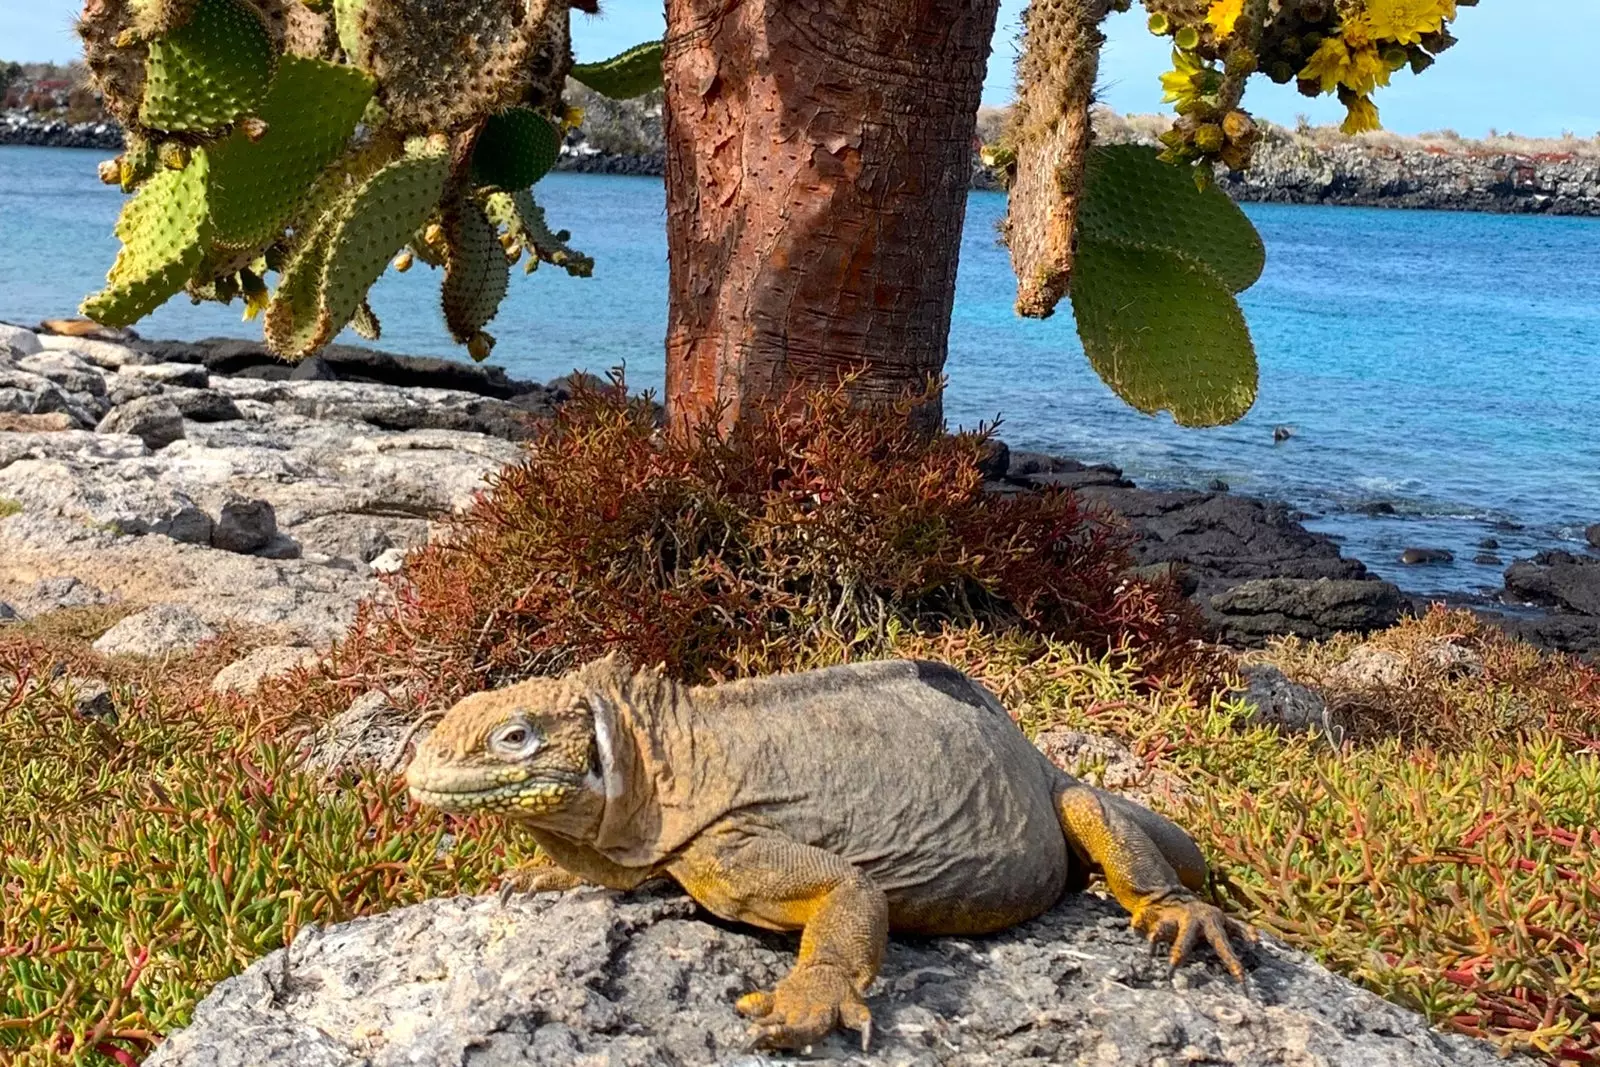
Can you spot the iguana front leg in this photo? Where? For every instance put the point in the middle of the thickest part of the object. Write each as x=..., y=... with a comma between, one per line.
x=765, y=879
x=1153, y=869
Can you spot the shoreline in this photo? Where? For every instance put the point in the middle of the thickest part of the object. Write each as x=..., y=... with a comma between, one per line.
x=1289, y=169
x=273, y=495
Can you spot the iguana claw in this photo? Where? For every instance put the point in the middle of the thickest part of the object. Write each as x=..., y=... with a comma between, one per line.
x=1185, y=921
x=805, y=1007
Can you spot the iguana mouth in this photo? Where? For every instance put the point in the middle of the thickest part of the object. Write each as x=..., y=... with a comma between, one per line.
x=476, y=794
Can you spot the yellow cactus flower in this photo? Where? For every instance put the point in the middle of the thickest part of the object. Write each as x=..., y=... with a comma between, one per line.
x=255, y=302
x=1405, y=21
x=1223, y=15
x=1336, y=63
x=1328, y=64
x=571, y=118
x=1361, y=115
x=1182, y=82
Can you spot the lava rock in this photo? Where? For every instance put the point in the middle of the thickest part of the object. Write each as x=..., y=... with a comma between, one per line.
x=642, y=980
x=18, y=340
x=1417, y=557
x=8, y=613
x=156, y=631
x=155, y=420
x=1281, y=702
x=91, y=699
x=246, y=674
x=1557, y=579
x=245, y=526
x=1252, y=611
x=189, y=375
x=1592, y=535
x=1487, y=559
x=1489, y=543
x=994, y=460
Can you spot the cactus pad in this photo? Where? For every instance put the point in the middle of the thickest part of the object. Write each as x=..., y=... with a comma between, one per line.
x=1135, y=198
x=1163, y=332
x=296, y=323
x=632, y=73
x=445, y=63
x=523, y=219
x=209, y=71
x=516, y=148
x=310, y=112
x=475, y=272
x=164, y=231
x=115, y=59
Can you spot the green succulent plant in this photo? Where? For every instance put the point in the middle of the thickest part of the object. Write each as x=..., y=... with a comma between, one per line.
x=319, y=142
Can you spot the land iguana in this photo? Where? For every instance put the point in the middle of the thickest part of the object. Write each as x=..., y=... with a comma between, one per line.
x=843, y=802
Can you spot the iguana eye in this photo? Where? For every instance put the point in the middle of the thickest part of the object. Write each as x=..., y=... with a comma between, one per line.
x=516, y=739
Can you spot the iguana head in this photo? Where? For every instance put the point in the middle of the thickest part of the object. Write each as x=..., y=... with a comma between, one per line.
x=537, y=749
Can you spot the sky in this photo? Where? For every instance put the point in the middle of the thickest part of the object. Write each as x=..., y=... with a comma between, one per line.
x=1522, y=65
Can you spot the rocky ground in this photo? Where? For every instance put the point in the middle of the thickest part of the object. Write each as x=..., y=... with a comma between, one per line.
x=212, y=478
x=210, y=486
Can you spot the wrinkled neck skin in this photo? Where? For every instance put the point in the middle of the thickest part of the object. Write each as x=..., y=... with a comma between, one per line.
x=642, y=733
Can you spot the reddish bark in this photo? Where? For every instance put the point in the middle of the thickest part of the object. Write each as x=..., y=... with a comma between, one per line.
x=818, y=160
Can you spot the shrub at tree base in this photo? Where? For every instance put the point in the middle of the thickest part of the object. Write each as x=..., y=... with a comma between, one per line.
x=725, y=556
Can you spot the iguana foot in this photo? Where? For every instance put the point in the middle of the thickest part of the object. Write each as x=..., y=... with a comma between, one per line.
x=538, y=875
x=1184, y=921
x=805, y=1007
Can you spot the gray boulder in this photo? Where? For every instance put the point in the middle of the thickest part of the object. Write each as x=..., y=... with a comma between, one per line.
x=155, y=420
x=68, y=370
x=18, y=340
x=57, y=593
x=7, y=613
x=246, y=674
x=156, y=631
x=591, y=977
x=1592, y=535
x=191, y=375
x=245, y=526
x=107, y=355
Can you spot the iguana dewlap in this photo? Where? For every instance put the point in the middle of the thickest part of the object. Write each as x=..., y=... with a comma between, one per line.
x=843, y=802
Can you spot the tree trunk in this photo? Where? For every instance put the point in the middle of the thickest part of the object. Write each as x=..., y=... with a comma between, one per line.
x=818, y=159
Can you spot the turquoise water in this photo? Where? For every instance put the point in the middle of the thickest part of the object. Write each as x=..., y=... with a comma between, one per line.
x=1447, y=364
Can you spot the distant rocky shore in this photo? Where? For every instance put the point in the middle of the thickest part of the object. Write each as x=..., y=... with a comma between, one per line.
x=224, y=486
x=1289, y=169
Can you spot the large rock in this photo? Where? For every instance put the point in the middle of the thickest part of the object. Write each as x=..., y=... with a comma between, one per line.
x=18, y=340
x=1250, y=612
x=107, y=355
x=1558, y=579
x=70, y=371
x=244, y=526
x=155, y=420
x=185, y=374
x=156, y=631
x=590, y=977
x=245, y=675
x=287, y=601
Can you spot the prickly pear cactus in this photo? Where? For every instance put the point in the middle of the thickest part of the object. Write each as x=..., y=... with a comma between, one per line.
x=624, y=76
x=286, y=152
x=1100, y=224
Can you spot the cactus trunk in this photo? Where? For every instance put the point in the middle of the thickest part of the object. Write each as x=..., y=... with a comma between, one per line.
x=818, y=159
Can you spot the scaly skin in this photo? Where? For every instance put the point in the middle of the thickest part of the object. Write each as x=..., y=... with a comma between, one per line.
x=842, y=803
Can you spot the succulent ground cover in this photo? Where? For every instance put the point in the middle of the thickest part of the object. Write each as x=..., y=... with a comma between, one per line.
x=1443, y=853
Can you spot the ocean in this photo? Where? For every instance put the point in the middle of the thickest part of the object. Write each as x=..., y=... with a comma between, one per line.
x=1447, y=365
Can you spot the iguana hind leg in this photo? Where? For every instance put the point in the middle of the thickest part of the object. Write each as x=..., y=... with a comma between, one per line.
x=1153, y=869
x=768, y=880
